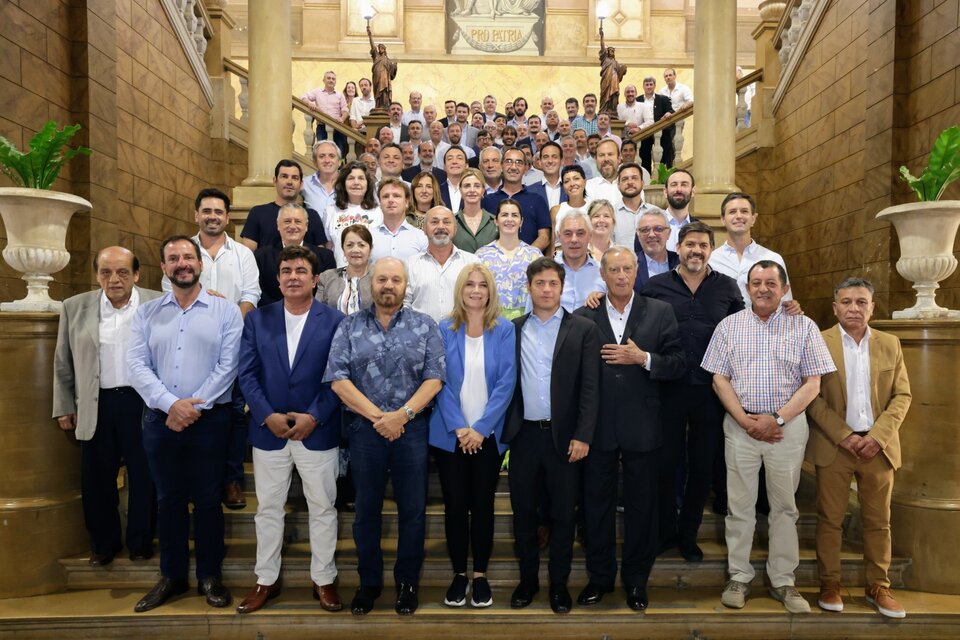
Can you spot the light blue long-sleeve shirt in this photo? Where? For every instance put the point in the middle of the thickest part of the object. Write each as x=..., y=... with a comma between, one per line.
x=536, y=364
x=185, y=353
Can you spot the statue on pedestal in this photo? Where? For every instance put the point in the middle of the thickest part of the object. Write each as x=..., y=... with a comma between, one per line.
x=383, y=71
x=611, y=73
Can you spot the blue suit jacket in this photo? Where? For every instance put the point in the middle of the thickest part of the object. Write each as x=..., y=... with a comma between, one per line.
x=500, y=368
x=270, y=385
x=642, y=275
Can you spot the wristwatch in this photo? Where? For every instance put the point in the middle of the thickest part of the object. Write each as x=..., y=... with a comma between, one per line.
x=780, y=421
x=411, y=414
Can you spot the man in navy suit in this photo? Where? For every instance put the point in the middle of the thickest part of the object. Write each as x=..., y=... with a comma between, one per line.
x=650, y=245
x=294, y=422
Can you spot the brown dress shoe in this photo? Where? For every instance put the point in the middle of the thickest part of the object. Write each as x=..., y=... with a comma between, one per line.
x=233, y=497
x=258, y=597
x=882, y=598
x=328, y=596
x=829, y=598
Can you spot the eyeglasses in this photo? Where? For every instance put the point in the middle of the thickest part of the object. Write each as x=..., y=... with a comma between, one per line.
x=512, y=161
x=647, y=230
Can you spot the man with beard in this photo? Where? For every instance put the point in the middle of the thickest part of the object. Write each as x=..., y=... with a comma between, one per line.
x=691, y=413
x=468, y=133
x=632, y=206
x=396, y=124
x=230, y=271
x=260, y=227
x=394, y=236
x=317, y=189
x=640, y=350
x=519, y=112
x=182, y=360
x=605, y=184
x=386, y=364
x=454, y=134
x=362, y=105
x=679, y=191
x=587, y=121
x=409, y=154
x=433, y=273
x=650, y=245
x=415, y=131
x=536, y=216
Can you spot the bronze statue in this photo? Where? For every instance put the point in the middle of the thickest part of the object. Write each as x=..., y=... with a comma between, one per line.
x=611, y=73
x=384, y=70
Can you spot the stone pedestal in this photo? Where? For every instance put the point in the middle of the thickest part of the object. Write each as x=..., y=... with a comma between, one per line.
x=926, y=492
x=40, y=510
x=380, y=118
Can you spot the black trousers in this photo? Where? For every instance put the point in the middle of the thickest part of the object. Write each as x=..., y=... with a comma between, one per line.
x=469, y=485
x=690, y=414
x=639, y=515
x=646, y=150
x=118, y=439
x=535, y=464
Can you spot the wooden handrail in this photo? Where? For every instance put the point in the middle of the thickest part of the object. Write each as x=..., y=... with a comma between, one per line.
x=301, y=106
x=754, y=76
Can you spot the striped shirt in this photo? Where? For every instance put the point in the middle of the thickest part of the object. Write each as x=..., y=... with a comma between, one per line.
x=767, y=361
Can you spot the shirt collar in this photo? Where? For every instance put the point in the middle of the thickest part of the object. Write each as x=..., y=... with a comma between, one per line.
x=203, y=299
x=846, y=336
x=557, y=315
x=107, y=306
x=612, y=309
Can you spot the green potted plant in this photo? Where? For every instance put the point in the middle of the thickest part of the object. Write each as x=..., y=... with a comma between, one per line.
x=35, y=217
x=927, y=229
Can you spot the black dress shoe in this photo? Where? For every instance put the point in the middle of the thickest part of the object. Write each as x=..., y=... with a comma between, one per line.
x=637, y=598
x=666, y=545
x=217, y=593
x=560, y=600
x=165, y=589
x=141, y=555
x=523, y=594
x=592, y=593
x=407, y=601
x=691, y=552
x=363, y=600
x=102, y=559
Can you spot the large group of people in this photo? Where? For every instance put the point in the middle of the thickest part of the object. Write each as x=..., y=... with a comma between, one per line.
x=534, y=304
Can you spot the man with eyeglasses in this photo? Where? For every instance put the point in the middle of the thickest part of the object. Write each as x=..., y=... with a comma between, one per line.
x=532, y=199
x=650, y=245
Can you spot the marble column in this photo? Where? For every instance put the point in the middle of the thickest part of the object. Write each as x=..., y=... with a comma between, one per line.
x=271, y=85
x=714, y=136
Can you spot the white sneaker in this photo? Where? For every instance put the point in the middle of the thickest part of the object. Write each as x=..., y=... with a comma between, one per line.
x=735, y=594
x=791, y=598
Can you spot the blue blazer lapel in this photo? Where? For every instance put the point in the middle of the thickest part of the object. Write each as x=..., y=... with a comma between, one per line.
x=279, y=334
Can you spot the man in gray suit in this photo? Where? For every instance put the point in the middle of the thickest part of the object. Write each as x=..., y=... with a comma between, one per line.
x=93, y=398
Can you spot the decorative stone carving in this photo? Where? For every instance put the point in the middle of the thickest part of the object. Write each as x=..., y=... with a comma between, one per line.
x=495, y=26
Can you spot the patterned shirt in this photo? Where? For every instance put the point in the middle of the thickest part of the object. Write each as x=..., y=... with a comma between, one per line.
x=767, y=361
x=725, y=260
x=509, y=272
x=590, y=126
x=387, y=366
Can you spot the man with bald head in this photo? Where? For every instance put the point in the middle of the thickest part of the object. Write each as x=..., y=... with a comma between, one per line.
x=93, y=398
x=388, y=433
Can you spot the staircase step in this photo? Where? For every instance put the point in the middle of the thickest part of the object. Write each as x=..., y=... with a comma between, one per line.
x=673, y=613
x=670, y=569
x=240, y=523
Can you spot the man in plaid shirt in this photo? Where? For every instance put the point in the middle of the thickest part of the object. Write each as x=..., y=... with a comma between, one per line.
x=767, y=367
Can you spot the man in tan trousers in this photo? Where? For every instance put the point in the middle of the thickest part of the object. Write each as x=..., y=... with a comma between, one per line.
x=855, y=423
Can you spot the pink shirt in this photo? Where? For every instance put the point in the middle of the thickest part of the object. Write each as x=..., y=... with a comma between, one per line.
x=331, y=103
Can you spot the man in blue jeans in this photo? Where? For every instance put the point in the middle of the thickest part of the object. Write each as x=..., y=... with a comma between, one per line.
x=184, y=349
x=386, y=364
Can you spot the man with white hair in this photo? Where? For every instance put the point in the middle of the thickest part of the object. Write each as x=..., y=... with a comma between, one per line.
x=583, y=275
x=650, y=245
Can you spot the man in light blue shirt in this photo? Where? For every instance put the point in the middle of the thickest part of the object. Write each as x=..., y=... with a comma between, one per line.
x=582, y=271
x=184, y=350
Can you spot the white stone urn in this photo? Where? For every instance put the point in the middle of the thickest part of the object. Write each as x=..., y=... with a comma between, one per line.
x=653, y=195
x=36, y=222
x=927, y=231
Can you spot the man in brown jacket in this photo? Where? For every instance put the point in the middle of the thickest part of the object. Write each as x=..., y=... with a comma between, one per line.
x=856, y=420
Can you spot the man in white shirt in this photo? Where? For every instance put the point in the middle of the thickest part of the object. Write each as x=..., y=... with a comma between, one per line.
x=631, y=110
x=632, y=206
x=605, y=184
x=679, y=191
x=433, y=273
x=229, y=271
x=317, y=189
x=394, y=236
x=416, y=99
x=390, y=161
x=362, y=105
x=93, y=398
x=738, y=213
x=680, y=95
x=551, y=156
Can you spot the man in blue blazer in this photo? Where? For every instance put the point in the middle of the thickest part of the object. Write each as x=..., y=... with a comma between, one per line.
x=294, y=421
x=650, y=245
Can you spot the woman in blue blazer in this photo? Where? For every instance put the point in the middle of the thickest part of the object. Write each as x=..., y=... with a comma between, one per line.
x=466, y=425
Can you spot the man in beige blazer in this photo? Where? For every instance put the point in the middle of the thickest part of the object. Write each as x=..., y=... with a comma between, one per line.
x=93, y=398
x=856, y=421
